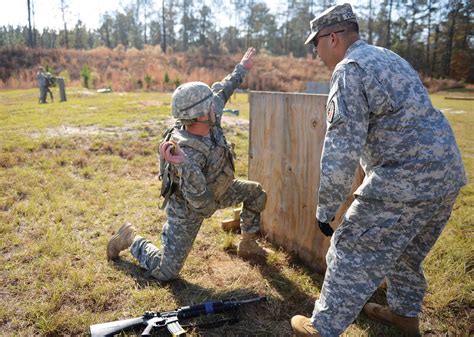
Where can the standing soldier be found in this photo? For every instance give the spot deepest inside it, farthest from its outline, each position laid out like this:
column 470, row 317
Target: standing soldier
column 49, row 82
column 198, row 180
column 42, row 84
column 378, row 113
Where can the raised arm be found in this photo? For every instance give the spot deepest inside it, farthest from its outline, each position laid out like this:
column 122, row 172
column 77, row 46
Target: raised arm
column 226, row 87
column 248, row 59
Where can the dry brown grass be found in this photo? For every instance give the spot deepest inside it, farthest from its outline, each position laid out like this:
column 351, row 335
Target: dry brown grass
column 125, row 70
column 436, row 85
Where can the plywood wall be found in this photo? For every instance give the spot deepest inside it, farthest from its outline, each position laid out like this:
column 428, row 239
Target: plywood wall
column 286, row 138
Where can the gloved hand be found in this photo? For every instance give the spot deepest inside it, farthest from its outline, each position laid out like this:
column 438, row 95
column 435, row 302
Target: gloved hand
column 172, row 153
column 325, row 228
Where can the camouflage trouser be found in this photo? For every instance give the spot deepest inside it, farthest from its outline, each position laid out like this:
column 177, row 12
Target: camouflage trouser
column 183, row 224
column 254, row 199
column 42, row 95
column 378, row 239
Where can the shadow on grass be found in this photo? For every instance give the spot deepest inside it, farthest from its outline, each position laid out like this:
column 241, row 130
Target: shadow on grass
column 275, row 311
column 186, row 294
column 138, row 273
column 297, row 302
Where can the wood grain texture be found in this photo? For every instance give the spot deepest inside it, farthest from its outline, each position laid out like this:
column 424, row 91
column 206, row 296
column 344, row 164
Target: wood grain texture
column 286, row 139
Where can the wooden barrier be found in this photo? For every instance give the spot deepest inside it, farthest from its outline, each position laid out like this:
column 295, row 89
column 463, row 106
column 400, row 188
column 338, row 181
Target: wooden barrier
column 286, row 139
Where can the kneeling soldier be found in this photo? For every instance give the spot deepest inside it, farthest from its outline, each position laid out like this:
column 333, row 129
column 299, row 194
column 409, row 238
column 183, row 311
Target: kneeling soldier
column 197, row 169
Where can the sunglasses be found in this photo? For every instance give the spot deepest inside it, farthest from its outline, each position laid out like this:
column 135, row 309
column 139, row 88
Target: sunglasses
column 316, row 39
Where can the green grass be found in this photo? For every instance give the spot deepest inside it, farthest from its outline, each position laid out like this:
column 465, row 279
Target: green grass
column 71, row 173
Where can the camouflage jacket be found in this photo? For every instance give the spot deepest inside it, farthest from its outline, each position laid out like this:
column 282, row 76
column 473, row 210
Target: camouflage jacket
column 41, row 78
column 379, row 113
column 208, row 170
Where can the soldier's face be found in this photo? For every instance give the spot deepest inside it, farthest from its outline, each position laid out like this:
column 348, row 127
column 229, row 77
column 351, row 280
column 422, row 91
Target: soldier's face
column 325, row 46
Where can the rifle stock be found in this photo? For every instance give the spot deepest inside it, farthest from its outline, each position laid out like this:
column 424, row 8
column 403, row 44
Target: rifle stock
column 111, row 328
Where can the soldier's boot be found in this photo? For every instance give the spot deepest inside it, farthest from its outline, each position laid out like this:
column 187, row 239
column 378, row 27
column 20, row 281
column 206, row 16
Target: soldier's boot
column 302, row 327
column 410, row 325
column 122, row 240
column 249, row 249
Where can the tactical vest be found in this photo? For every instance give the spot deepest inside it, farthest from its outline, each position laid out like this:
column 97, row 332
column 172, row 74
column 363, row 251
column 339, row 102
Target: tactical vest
column 219, row 168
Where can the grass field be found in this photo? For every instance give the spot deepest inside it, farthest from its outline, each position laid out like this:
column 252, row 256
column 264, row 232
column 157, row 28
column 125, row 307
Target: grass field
column 71, row 173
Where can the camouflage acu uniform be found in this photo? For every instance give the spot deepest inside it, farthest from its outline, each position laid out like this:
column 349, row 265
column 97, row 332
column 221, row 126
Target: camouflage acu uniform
column 205, row 182
column 42, row 84
column 378, row 112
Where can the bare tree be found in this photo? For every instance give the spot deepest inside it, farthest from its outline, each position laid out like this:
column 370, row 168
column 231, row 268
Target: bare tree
column 370, row 29
column 186, row 19
column 435, row 48
column 249, row 22
column 366, row 21
column 413, row 9
column 147, row 5
column 163, row 45
column 64, row 7
column 288, row 14
column 105, row 30
column 30, row 32
column 389, row 23
column 204, row 20
column 34, row 25
column 454, row 10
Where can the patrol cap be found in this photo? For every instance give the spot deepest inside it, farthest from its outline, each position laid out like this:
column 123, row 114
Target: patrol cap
column 331, row 16
column 191, row 100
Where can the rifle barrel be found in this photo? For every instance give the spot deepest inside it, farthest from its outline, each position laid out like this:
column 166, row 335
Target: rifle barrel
column 214, row 307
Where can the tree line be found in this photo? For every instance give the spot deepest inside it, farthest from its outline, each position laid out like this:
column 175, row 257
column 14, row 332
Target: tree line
column 435, row 36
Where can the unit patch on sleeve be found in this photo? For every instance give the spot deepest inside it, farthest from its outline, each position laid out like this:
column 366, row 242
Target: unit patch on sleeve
column 330, row 111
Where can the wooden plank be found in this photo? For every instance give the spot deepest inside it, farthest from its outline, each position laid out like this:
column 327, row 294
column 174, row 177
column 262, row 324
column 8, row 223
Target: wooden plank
column 286, row 138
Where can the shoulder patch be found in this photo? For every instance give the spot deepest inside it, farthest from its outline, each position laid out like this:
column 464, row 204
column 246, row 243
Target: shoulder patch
column 330, row 111
column 331, row 105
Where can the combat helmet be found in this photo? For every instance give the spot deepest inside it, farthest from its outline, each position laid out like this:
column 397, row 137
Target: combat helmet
column 191, row 100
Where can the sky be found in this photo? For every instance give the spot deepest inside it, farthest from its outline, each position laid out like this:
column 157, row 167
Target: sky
column 48, row 14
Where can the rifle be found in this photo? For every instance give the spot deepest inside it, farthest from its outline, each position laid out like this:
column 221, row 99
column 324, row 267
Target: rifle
column 169, row 319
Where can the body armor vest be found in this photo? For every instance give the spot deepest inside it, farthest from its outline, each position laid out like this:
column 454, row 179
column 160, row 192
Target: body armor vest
column 219, row 168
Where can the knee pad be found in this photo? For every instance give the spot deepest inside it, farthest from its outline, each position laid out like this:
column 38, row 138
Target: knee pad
column 258, row 203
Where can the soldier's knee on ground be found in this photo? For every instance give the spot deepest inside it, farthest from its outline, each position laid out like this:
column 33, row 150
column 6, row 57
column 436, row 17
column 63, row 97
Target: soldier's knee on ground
column 165, row 273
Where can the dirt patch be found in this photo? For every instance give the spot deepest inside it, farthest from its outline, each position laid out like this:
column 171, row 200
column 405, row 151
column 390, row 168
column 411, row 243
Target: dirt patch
column 153, row 103
column 68, row 131
column 231, row 123
column 86, row 93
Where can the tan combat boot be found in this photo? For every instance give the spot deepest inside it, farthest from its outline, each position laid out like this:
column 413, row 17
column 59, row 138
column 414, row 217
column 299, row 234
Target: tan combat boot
column 410, row 325
column 120, row 241
column 302, row 327
column 249, row 249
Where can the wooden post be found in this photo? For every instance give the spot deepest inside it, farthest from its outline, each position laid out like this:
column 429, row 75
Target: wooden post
column 62, row 89
column 286, row 139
